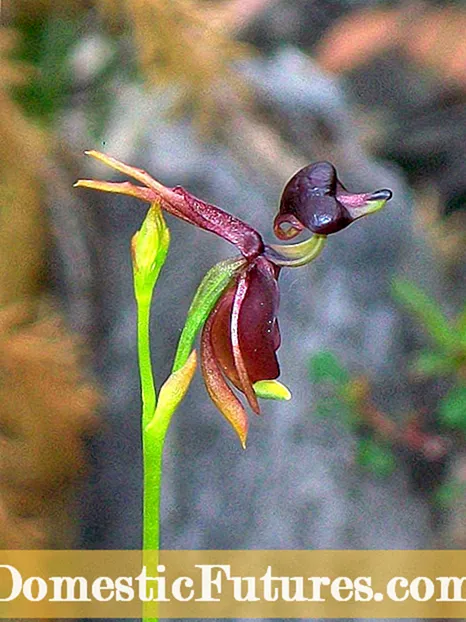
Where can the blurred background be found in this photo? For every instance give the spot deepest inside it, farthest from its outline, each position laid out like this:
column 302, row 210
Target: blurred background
column 229, row 99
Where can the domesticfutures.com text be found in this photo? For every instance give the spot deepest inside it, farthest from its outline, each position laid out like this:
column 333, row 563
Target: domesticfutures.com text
column 209, row 582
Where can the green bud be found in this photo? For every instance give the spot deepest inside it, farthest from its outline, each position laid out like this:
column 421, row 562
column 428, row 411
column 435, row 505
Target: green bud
column 149, row 248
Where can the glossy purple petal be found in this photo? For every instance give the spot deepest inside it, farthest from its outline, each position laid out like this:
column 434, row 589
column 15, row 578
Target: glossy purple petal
column 258, row 326
column 240, row 365
column 314, row 198
column 258, row 334
column 310, row 197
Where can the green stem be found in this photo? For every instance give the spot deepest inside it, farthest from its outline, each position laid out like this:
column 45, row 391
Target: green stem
column 149, row 398
column 152, row 443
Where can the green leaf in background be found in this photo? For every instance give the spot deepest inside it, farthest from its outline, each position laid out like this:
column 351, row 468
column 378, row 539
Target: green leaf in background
column 376, row 457
column 328, row 407
column 433, row 364
column 450, row 492
column 336, row 408
column 452, row 408
column 427, row 311
column 325, row 367
column 460, row 325
column 47, row 43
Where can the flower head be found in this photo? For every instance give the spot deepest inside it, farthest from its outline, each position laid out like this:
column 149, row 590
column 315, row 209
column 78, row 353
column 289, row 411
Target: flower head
column 315, row 199
column 236, row 304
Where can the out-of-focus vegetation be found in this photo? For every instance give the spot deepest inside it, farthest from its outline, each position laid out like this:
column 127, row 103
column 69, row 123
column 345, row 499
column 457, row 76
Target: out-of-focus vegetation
column 430, row 36
column 412, row 107
column 431, row 437
column 183, row 44
column 47, row 403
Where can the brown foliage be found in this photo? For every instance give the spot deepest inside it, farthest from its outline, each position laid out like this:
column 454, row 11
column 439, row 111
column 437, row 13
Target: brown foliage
column 189, row 45
column 431, row 37
column 47, row 407
column 23, row 149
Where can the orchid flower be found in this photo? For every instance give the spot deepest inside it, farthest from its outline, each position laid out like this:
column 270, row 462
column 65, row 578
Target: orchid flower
column 315, row 199
column 236, row 305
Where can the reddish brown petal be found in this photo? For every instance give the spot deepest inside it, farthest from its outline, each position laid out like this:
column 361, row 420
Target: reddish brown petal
column 211, row 218
column 221, row 336
column 181, row 204
column 258, row 332
column 286, row 226
column 259, row 337
column 220, row 393
column 245, row 382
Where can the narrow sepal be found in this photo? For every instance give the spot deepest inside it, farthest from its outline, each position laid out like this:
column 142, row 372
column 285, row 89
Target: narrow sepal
column 217, row 388
column 172, row 393
column 181, row 204
column 126, row 188
column 131, row 171
column 215, row 282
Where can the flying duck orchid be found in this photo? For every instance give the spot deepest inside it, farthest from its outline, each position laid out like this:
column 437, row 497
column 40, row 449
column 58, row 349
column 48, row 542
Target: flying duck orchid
column 236, row 305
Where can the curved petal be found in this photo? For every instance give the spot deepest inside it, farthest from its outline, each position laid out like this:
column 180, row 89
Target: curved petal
column 258, row 333
column 259, row 337
column 182, row 204
column 221, row 336
column 245, row 382
column 286, row 226
column 212, row 218
column 217, row 388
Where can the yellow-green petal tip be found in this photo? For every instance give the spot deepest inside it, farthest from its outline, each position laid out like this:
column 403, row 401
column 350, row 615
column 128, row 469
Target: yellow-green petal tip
column 272, row 390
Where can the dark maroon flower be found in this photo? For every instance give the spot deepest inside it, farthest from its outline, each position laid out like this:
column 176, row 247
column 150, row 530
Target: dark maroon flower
column 240, row 337
column 240, row 340
column 315, row 199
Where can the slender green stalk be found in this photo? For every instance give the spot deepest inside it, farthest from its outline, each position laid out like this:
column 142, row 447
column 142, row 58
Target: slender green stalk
column 149, row 397
column 156, row 419
column 152, row 459
column 152, row 445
